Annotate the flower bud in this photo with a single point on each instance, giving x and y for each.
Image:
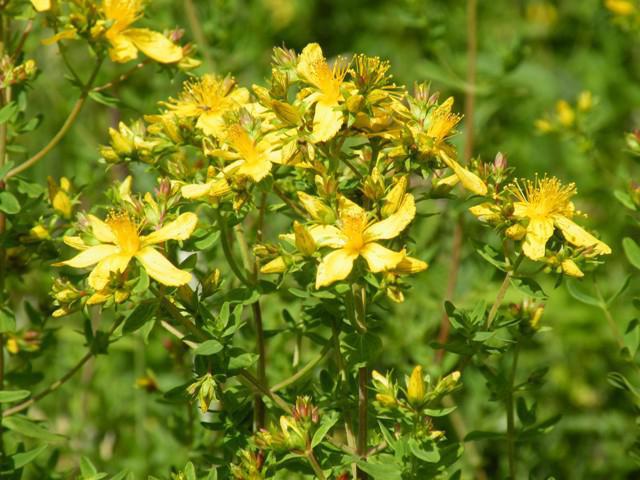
(39, 232)
(373, 187)
(394, 198)
(516, 232)
(585, 101)
(448, 384)
(285, 112)
(318, 210)
(416, 388)
(570, 268)
(304, 241)
(566, 115)
(355, 103)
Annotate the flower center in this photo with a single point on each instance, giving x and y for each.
(125, 231)
(546, 197)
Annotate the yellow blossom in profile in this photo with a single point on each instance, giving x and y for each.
(126, 41)
(566, 114)
(546, 205)
(208, 99)
(620, 7)
(314, 69)
(41, 5)
(416, 388)
(354, 236)
(254, 158)
(59, 196)
(120, 242)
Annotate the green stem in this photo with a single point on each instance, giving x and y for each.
(511, 430)
(315, 465)
(246, 378)
(304, 371)
(503, 290)
(226, 248)
(61, 381)
(73, 115)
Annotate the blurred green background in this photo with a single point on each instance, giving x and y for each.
(530, 54)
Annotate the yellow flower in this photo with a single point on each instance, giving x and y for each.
(254, 157)
(355, 236)
(469, 180)
(314, 69)
(546, 204)
(565, 113)
(41, 5)
(209, 99)
(620, 7)
(120, 241)
(125, 41)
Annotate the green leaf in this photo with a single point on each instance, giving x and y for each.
(620, 291)
(244, 360)
(104, 99)
(4, 169)
(8, 111)
(30, 189)
(7, 321)
(9, 203)
(28, 428)
(24, 458)
(208, 241)
(431, 455)
(325, 425)
(580, 295)
(139, 316)
(632, 251)
(121, 475)
(384, 470)
(190, 471)
(529, 287)
(439, 412)
(8, 396)
(625, 199)
(208, 347)
(87, 469)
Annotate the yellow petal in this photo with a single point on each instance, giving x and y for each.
(63, 35)
(122, 48)
(310, 57)
(326, 122)
(486, 212)
(75, 242)
(410, 265)
(416, 388)
(570, 268)
(154, 45)
(98, 297)
(334, 267)
(469, 180)
(179, 229)
(91, 256)
(101, 230)
(277, 265)
(196, 190)
(256, 169)
(579, 237)
(161, 269)
(380, 258)
(539, 231)
(212, 124)
(99, 276)
(319, 211)
(41, 5)
(395, 223)
(327, 236)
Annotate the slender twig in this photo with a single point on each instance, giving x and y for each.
(198, 33)
(304, 371)
(61, 381)
(23, 38)
(226, 248)
(610, 320)
(122, 77)
(511, 431)
(452, 280)
(503, 290)
(73, 115)
(246, 377)
(472, 59)
(363, 375)
(282, 195)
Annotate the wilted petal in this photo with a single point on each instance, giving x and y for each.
(161, 269)
(90, 256)
(579, 237)
(395, 223)
(179, 229)
(101, 230)
(539, 231)
(469, 180)
(410, 265)
(380, 258)
(99, 276)
(277, 265)
(62, 35)
(334, 267)
(154, 45)
(326, 122)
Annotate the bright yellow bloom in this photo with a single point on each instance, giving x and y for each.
(209, 99)
(546, 204)
(125, 41)
(565, 113)
(314, 69)
(355, 236)
(41, 5)
(120, 241)
(620, 7)
(254, 158)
